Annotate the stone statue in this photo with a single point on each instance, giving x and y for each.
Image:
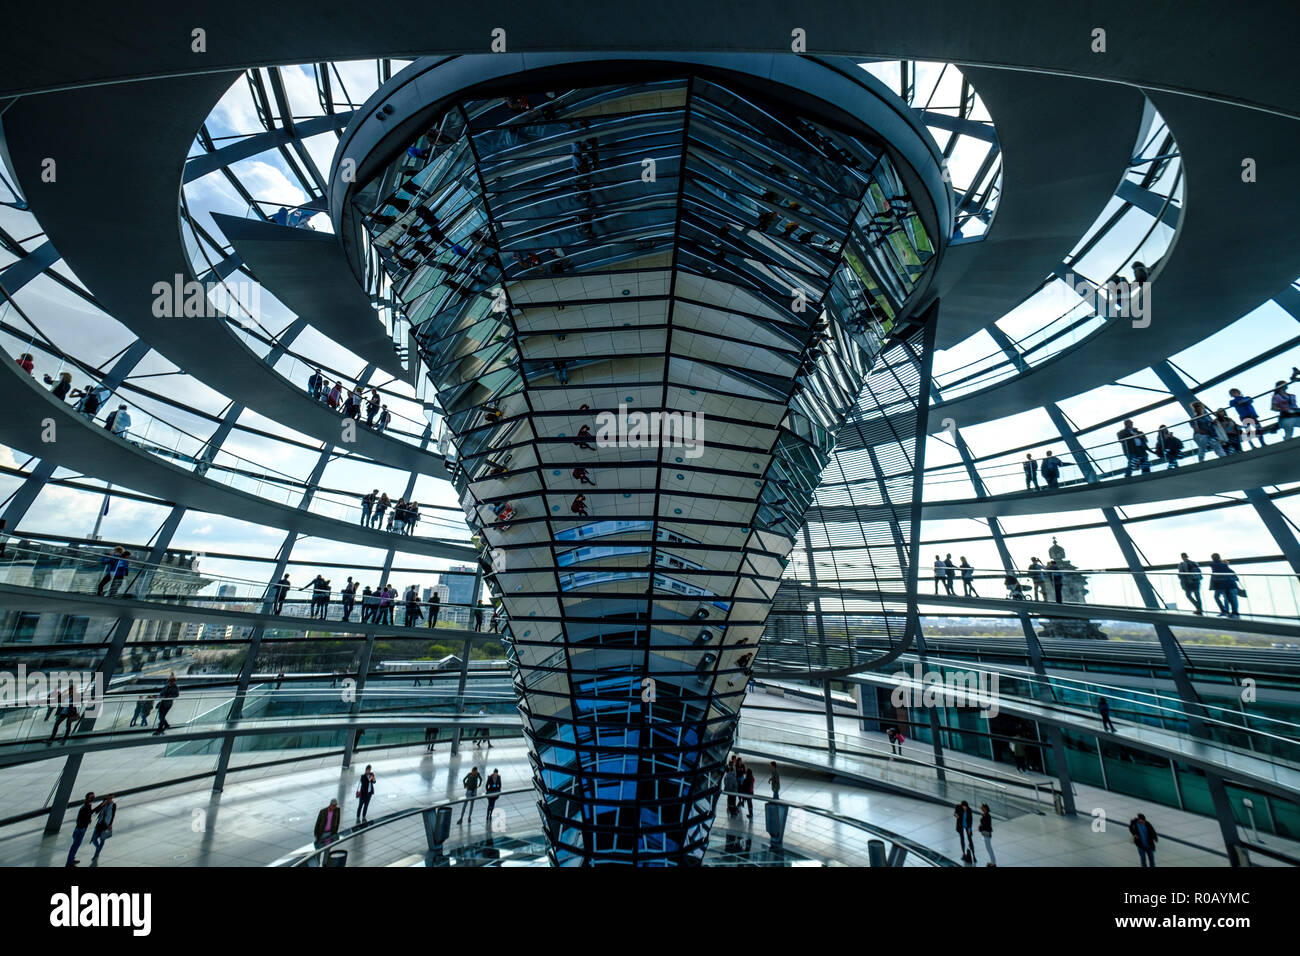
(1074, 590)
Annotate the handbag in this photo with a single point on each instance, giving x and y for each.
(1241, 592)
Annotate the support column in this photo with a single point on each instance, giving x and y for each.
(1034, 648)
(1177, 662)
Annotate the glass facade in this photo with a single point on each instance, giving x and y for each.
(646, 310)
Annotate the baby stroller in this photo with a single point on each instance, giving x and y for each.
(1015, 590)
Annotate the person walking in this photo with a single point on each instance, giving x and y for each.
(365, 790)
(895, 748)
(67, 713)
(1144, 838)
(986, 831)
(109, 563)
(118, 421)
(85, 813)
(1169, 447)
(1204, 432)
(747, 792)
(368, 507)
(1223, 582)
(492, 790)
(1031, 472)
(280, 591)
(949, 575)
(731, 787)
(1134, 443)
(435, 605)
(327, 823)
(470, 782)
(105, 816)
(1246, 414)
(385, 419)
(1189, 576)
(1051, 470)
(1018, 755)
(940, 573)
(1284, 406)
(967, 579)
(1103, 708)
(774, 780)
(167, 698)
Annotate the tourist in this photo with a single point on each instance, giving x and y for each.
(986, 831)
(1057, 574)
(314, 383)
(962, 814)
(1230, 430)
(166, 699)
(940, 573)
(1103, 708)
(349, 597)
(26, 362)
(1038, 576)
(731, 787)
(747, 793)
(1204, 432)
(579, 506)
(435, 605)
(774, 780)
(279, 592)
(1246, 414)
(372, 407)
(109, 563)
(1144, 837)
(106, 814)
(365, 790)
(1031, 472)
(967, 579)
(85, 813)
(368, 507)
(1051, 470)
(949, 574)
(413, 613)
(118, 421)
(327, 823)
(470, 782)
(1189, 577)
(377, 518)
(492, 790)
(385, 419)
(1133, 441)
(582, 476)
(62, 387)
(1284, 406)
(1223, 582)
(1169, 447)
